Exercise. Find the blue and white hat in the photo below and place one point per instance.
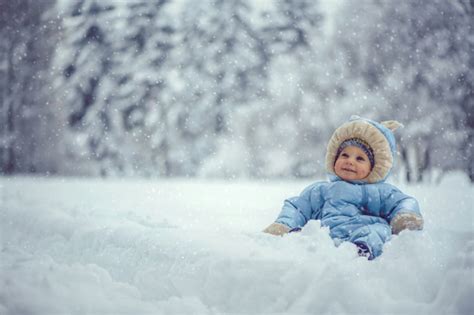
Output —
(377, 136)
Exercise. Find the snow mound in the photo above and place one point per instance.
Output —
(196, 247)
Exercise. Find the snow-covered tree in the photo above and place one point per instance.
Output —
(114, 56)
(223, 60)
(143, 89)
(222, 66)
(84, 56)
(290, 114)
(291, 26)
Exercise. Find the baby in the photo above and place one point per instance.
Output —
(356, 204)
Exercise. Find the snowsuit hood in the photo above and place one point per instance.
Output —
(379, 136)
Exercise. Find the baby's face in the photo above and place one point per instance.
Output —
(352, 164)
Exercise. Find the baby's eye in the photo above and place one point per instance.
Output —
(345, 155)
(360, 158)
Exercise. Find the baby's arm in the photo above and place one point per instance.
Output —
(402, 211)
(297, 211)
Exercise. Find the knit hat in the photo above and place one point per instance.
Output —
(361, 144)
(378, 137)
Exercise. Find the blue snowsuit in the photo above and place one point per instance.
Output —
(354, 211)
(359, 213)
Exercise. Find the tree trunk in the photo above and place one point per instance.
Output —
(423, 161)
(470, 156)
(8, 166)
(406, 162)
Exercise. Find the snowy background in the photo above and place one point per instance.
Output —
(81, 246)
(145, 144)
(166, 88)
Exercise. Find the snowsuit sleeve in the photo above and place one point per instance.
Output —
(395, 202)
(297, 211)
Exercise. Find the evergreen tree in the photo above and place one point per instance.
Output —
(85, 59)
(142, 93)
(290, 26)
(290, 113)
(113, 57)
(223, 60)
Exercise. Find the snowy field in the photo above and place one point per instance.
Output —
(81, 246)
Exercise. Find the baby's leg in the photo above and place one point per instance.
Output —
(372, 236)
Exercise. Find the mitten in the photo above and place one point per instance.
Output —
(277, 229)
(403, 221)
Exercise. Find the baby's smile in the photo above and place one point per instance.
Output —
(348, 170)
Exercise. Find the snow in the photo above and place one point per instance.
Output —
(93, 246)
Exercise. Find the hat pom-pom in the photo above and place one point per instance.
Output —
(391, 124)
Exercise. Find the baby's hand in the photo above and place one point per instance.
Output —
(403, 221)
(277, 229)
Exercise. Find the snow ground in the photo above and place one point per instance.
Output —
(82, 246)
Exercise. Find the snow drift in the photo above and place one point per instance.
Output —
(81, 246)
